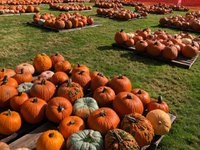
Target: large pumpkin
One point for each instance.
(155, 49)
(58, 108)
(170, 52)
(83, 107)
(9, 81)
(70, 125)
(22, 77)
(190, 51)
(64, 66)
(44, 90)
(27, 68)
(127, 103)
(121, 37)
(118, 139)
(33, 110)
(55, 58)
(10, 122)
(160, 121)
(50, 140)
(138, 126)
(103, 120)
(42, 62)
(98, 80)
(4, 146)
(85, 140)
(59, 78)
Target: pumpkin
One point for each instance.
(59, 78)
(18, 100)
(158, 104)
(46, 74)
(90, 20)
(10, 122)
(23, 77)
(7, 72)
(138, 126)
(82, 78)
(142, 95)
(104, 96)
(27, 68)
(74, 22)
(42, 63)
(30, 9)
(64, 66)
(85, 140)
(70, 90)
(130, 42)
(120, 84)
(4, 146)
(127, 103)
(79, 67)
(98, 80)
(58, 108)
(141, 46)
(22, 149)
(44, 90)
(103, 120)
(59, 24)
(160, 121)
(118, 139)
(170, 52)
(70, 125)
(155, 49)
(25, 87)
(83, 107)
(36, 9)
(50, 140)
(55, 58)
(68, 24)
(121, 37)
(94, 74)
(33, 110)
(9, 81)
(190, 51)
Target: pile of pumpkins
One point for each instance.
(119, 14)
(190, 21)
(132, 3)
(160, 43)
(154, 9)
(30, 2)
(70, 7)
(108, 5)
(5, 9)
(63, 21)
(73, 1)
(179, 8)
(112, 116)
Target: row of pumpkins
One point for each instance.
(63, 21)
(108, 5)
(160, 43)
(70, 7)
(119, 14)
(190, 21)
(113, 118)
(18, 9)
(29, 2)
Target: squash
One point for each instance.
(25, 87)
(121, 37)
(46, 74)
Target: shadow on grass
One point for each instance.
(39, 28)
(109, 47)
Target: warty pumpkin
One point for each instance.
(59, 78)
(64, 66)
(98, 80)
(55, 58)
(9, 82)
(25, 87)
(23, 77)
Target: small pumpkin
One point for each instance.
(10, 122)
(155, 49)
(70, 125)
(98, 80)
(46, 74)
(79, 67)
(23, 77)
(58, 108)
(103, 120)
(59, 78)
(121, 37)
(25, 87)
(170, 52)
(27, 68)
(59, 24)
(141, 46)
(130, 42)
(7, 72)
(50, 140)
(9, 81)
(83, 107)
(142, 95)
(64, 66)
(160, 121)
(55, 58)
(68, 24)
(4, 146)
(33, 110)
(94, 74)
(86, 140)
(190, 51)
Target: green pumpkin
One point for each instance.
(85, 140)
(25, 87)
(41, 22)
(84, 106)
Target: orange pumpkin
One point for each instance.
(64, 66)
(23, 77)
(121, 37)
(9, 81)
(55, 58)
(7, 72)
(142, 95)
(99, 80)
(59, 78)
(79, 67)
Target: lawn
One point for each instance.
(92, 47)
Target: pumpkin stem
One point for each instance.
(132, 119)
(20, 93)
(104, 90)
(100, 74)
(139, 92)
(159, 99)
(22, 71)
(117, 136)
(9, 113)
(3, 70)
(129, 96)
(5, 80)
(103, 113)
(78, 64)
(71, 122)
(35, 100)
(43, 82)
(81, 72)
(121, 30)
(156, 43)
(51, 135)
(69, 82)
(56, 54)
(60, 108)
(120, 76)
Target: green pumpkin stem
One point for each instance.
(129, 96)
(104, 90)
(9, 113)
(132, 119)
(78, 64)
(35, 100)
(117, 136)
(20, 93)
(43, 82)
(121, 30)
(5, 80)
(51, 135)
(120, 76)
(60, 108)
(139, 92)
(56, 54)
(159, 99)
(103, 113)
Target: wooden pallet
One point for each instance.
(62, 30)
(120, 19)
(181, 61)
(70, 10)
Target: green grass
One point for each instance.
(180, 87)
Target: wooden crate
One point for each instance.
(181, 61)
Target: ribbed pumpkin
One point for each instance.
(155, 49)
(30, 9)
(55, 58)
(121, 37)
(94, 74)
(104, 96)
(9, 82)
(160, 121)
(170, 52)
(4, 146)
(58, 108)
(103, 120)
(42, 62)
(59, 78)
(83, 107)
(64, 66)
(79, 67)
(190, 51)
(7, 72)
(85, 140)
(23, 77)
(33, 110)
(120, 84)
(18, 100)
(70, 125)
(44, 90)
(27, 68)
(59, 24)
(98, 80)
(138, 126)
(127, 103)
(50, 140)
(10, 122)
(118, 139)
(70, 90)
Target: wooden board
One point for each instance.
(181, 61)
(62, 30)
(119, 19)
